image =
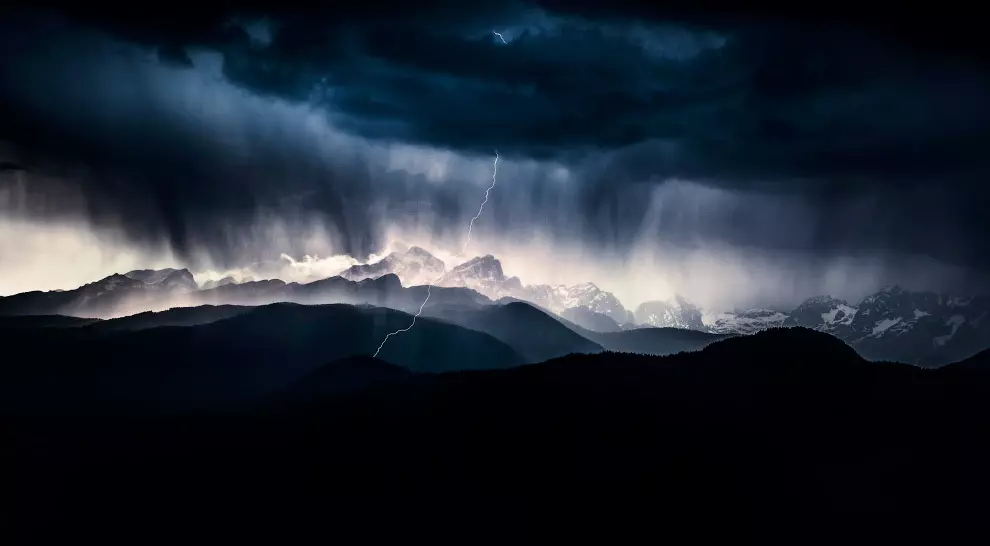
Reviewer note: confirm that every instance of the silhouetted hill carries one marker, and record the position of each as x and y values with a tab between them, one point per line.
586	318
228	361
796	365
348	374
44	321
179	316
533	333
646	340
654	341
756	439
782	346
246	293
980	361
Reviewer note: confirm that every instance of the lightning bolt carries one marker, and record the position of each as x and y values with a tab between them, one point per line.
500	37
429	287
482	207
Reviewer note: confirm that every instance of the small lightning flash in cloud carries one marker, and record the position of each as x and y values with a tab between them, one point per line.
429	287
500	37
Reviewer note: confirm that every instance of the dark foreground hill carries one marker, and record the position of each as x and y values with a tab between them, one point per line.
540	335
239	355
534	333
350	374
654	341
787	437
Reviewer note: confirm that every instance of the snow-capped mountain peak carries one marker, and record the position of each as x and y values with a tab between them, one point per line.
483	267
414	266
891	323
168	278
898	324
483	274
823	313
675	312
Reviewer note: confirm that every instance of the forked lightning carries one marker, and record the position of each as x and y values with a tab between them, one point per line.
429	287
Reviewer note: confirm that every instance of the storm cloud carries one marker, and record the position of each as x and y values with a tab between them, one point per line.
621	131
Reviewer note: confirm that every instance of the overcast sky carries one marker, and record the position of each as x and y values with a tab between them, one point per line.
737	158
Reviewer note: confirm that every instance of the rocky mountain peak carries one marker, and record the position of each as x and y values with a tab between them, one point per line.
413	265
585	287
180	278
674	312
486	266
480	261
822	300
218	283
150	276
162	278
418	252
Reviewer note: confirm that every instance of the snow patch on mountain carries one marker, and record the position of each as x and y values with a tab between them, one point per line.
883	325
746	322
955	321
841	314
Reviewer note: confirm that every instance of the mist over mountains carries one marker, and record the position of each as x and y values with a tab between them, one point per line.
894	324
922	328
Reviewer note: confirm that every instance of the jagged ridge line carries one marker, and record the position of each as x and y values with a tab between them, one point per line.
429	287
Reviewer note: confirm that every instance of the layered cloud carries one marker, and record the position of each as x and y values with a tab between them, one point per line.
233	136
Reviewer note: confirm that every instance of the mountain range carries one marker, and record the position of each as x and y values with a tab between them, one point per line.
921	328
272	397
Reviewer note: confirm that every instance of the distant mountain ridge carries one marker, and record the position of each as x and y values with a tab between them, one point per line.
122	295
915	327
484	274
139	289
922	328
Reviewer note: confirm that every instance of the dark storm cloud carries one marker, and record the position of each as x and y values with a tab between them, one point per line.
922	29
776	104
174	55
828	117
173	154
